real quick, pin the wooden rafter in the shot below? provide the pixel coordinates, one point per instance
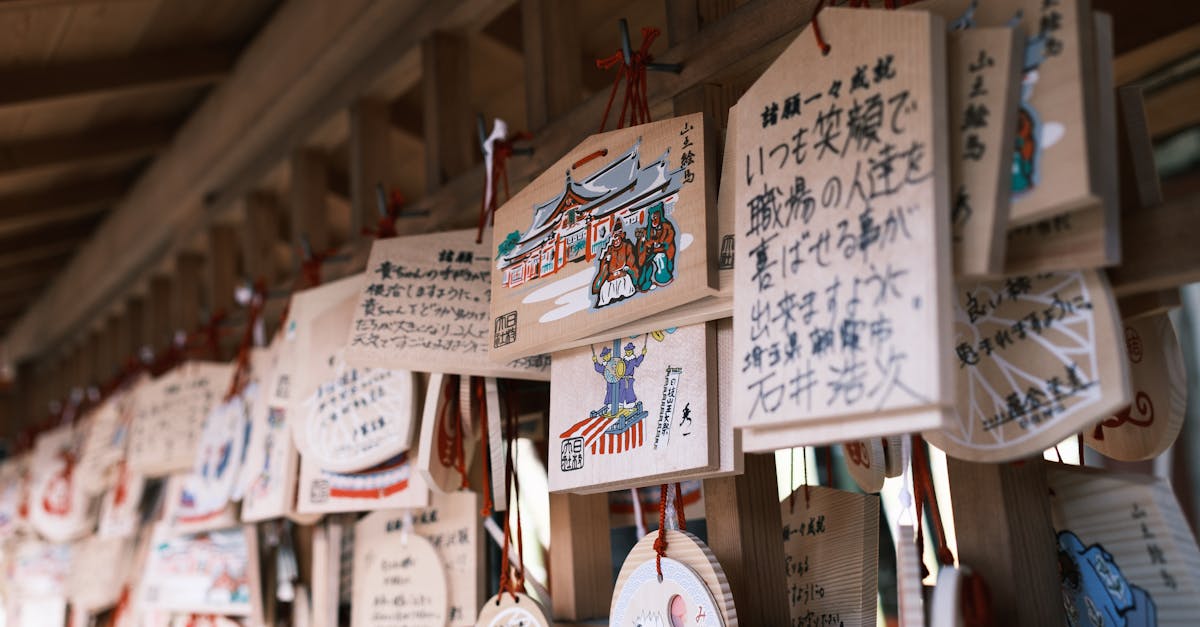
(162, 70)
(21, 213)
(128, 141)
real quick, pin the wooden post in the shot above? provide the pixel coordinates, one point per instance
(222, 267)
(309, 189)
(118, 339)
(552, 59)
(1002, 521)
(188, 266)
(161, 328)
(260, 232)
(581, 582)
(372, 162)
(139, 329)
(450, 144)
(97, 349)
(745, 532)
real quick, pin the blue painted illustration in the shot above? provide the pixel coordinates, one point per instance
(1095, 592)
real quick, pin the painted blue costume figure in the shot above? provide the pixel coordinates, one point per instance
(1095, 592)
(618, 371)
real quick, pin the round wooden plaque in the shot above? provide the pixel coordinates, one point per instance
(947, 608)
(865, 461)
(347, 424)
(1151, 422)
(399, 582)
(59, 510)
(893, 459)
(206, 491)
(502, 611)
(687, 551)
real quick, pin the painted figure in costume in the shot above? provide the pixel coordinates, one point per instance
(1094, 590)
(656, 251)
(57, 498)
(602, 365)
(618, 269)
(626, 396)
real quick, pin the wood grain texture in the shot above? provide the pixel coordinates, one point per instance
(581, 577)
(689, 550)
(1151, 422)
(985, 77)
(743, 534)
(1040, 359)
(1002, 522)
(865, 462)
(771, 395)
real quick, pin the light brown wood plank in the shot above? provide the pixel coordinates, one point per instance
(448, 121)
(130, 141)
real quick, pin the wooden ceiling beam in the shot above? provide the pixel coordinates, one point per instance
(21, 213)
(89, 79)
(130, 141)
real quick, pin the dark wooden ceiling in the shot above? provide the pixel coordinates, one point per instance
(91, 92)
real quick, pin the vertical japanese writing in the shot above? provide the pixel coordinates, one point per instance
(836, 209)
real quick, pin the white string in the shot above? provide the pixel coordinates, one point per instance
(906, 498)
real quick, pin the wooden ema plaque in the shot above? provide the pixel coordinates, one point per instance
(268, 480)
(445, 434)
(615, 231)
(203, 573)
(99, 569)
(424, 306)
(831, 556)
(1151, 422)
(170, 413)
(1087, 237)
(206, 491)
(452, 525)
(107, 433)
(119, 515)
(843, 297)
(59, 510)
(1039, 359)
(399, 578)
(1126, 554)
(984, 67)
(634, 411)
(12, 491)
(865, 462)
(348, 419)
(1053, 157)
(910, 592)
(503, 610)
(693, 590)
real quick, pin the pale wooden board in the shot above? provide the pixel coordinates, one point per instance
(835, 390)
(539, 313)
(59, 510)
(107, 435)
(436, 449)
(662, 592)
(388, 487)
(766, 439)
(892, 457)
(504, 611)
(1089, 237)
(722, 256)
(1098, 507)
(272, 465)
(865, 462)
(495, 444)
(169, 414)
(687, 549)
(326, 560)
(831, 556)
(206, 490)
(452, 524)
(176, 524)
(909, 591)
(946, 609)
(1152, 421)
(984, 86)
(397, 581)
(729, 440)
(89, 558)
(1060, 93)
(121, 519)
(671, 374)
(347, 419)
(424, 306)
(205, 574)
(1016, 393)
(12, 489)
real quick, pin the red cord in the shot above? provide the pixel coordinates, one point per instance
(241, 371)
(816, 28)
(479, 388)
(633, 71)
(660, 543)
(501, 151)
(512, 580)
(923, 484)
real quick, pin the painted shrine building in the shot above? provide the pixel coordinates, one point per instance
(576, 224)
